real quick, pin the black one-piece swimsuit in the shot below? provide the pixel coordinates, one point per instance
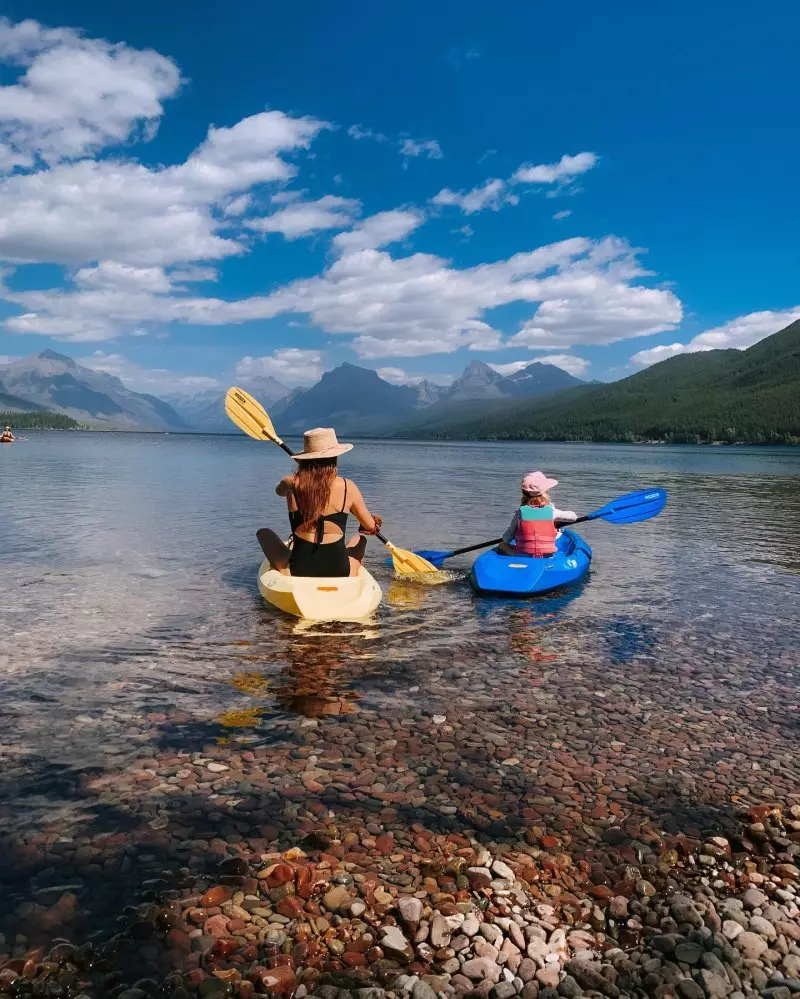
(313, 558)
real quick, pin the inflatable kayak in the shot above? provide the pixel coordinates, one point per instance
(522, 576)
(347, 598)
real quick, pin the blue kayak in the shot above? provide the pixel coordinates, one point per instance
(522, 576)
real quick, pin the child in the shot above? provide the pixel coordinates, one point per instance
(533, 527)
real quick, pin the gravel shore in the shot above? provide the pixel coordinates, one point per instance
(370, 914)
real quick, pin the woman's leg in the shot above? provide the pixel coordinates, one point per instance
(356, 549)
(274, 548)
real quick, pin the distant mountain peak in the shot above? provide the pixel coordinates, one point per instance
(53, 355)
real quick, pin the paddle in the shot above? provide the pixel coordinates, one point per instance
(250, 416)
(628, 509)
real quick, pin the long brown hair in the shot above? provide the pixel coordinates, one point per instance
(313, 483)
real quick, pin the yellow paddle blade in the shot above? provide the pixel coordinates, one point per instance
(407, 563)
(249, 415)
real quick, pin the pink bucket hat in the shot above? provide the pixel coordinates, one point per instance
(537, 482)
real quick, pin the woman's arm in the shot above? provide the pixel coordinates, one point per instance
(369, 524)
(286, 486)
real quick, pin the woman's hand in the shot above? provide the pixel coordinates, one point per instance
(378, 522)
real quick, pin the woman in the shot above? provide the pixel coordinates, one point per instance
(319, 501)
(7, 436)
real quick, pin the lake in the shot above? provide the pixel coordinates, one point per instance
(135, 648)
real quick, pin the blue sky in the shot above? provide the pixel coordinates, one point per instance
(405, 189)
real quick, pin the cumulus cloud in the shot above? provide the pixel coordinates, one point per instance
(511, 368)
(654, 354)
(359, 132)
(156, 381)
(492, 195)
(304, 218)
(76, 95)
(289, 365)
(495, 193)
(412, 148)
(739, 333)
(567, 168)
(404, 306)
(399, 376)
(576, 366)
(145, 216)
(379, 230)
(562, 215)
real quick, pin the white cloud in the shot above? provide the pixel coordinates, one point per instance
(429, 148)
(144, 216)
(489, 195)
(402, 306)
(739, 333)
(153, 380)
(566, 169)
(654, 354)
(76, 95)
(8, 358)
(289, 365)
(110, 274)
(562, 215)
(399, 376)
(358, 132)
(576, 366)
(379, 230)
(511, 368)
(238, 206)
(304, 218)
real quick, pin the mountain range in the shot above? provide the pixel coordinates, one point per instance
(720, 395)
(732, 396)
(353, 399)
(56, 383)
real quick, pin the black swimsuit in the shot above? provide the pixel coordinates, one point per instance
(315, 558)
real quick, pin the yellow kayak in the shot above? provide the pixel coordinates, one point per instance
(346, 598)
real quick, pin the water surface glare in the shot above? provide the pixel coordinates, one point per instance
(663, 688)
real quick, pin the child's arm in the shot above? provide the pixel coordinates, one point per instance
(564, 516)
(505, 545)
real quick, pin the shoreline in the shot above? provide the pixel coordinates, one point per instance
(372, 915)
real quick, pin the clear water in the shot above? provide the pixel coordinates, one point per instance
(128, 563)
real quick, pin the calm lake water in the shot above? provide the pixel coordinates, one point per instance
(128, 567)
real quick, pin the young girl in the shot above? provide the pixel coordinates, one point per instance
(533, 528)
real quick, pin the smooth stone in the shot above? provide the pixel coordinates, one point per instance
(751, 945)
(754, 898)
(689, 953)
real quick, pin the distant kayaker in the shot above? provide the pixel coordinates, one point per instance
(319, 500)
(7, 436)
(534, 527)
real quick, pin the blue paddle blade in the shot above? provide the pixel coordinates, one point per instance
(632, 507)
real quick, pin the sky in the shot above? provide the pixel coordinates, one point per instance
(196, 194)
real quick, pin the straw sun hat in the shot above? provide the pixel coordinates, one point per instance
(321, 443)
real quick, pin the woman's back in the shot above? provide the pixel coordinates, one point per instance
(333, 516)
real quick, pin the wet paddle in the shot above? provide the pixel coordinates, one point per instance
(250, 416)
(628, 509)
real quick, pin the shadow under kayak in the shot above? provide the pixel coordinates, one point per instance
(523, 576)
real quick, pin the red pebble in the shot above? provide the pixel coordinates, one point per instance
(291, 907)
(281, 874)
(225, 946)
(278, 981)
(354, 960)
(216, 896)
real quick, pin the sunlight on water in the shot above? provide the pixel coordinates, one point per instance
(128, 573)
